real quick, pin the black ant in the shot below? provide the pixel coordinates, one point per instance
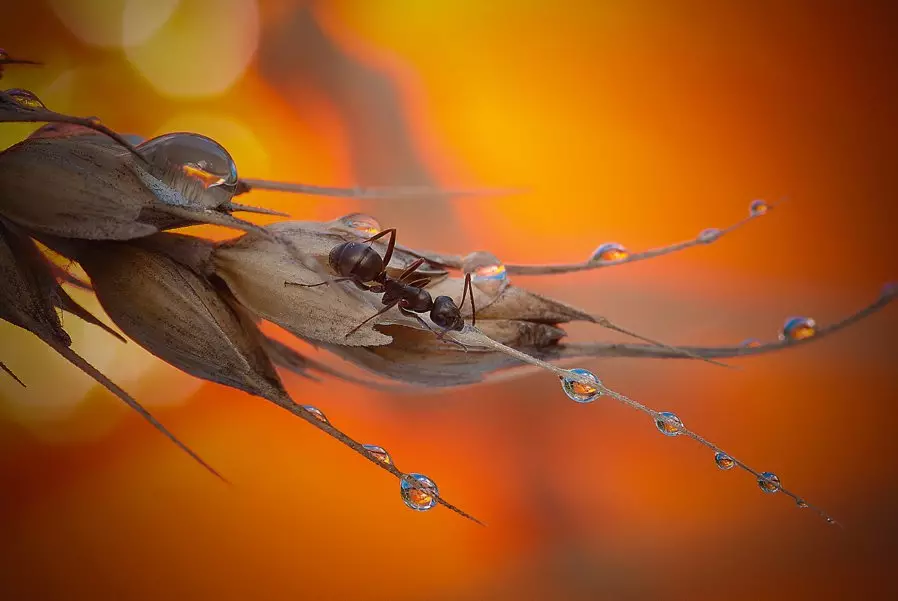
(360, 264)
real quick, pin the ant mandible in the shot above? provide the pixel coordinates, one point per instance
(360, 264)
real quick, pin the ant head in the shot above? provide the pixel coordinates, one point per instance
(445, 313)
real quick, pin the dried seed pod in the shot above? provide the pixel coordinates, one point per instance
(86, 188)
(255, 270)
(28, 287)
(176, 313)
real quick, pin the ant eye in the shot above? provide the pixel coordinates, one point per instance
(198, 157)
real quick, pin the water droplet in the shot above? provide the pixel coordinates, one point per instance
(3, 54)
(758, 207)
(830, 521)
(378, 453)
(199, 158)
(668, 423)
(366, 224)
(798, 328)
(316, 412)
(487, 272)
(750, 343)
(610, 251)
(801, 503)
(769, 482)
(724, 461)
(577, 391)
(890, 289)
(709, 235)
(26, 99)
(418, 492)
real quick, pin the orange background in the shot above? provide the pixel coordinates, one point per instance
(637, 122)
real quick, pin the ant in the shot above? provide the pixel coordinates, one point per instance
(360, 264)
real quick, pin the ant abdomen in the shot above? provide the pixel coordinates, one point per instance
(357, 260)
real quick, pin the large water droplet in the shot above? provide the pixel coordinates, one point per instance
(365, 224)
(378, 453)
(610, 251)
(418, 492)
(758, 207)
(769, 482)
(26, 99)
(577, 391)
(668, 423)
(488, 273)
(197, 157)
(318, 413)
(750, 343)
(798, 328)
(709, 235)
(724, 461)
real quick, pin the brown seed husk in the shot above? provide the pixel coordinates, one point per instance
(177, 314)
(86, 188)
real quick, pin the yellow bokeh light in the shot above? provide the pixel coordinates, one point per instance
(201, 50)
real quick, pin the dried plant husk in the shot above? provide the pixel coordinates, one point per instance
(175, 313)
(12, 111)
(30, 292)
(79, 186)
(256, 268)
(28, 287)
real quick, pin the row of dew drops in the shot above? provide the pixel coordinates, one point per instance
(420, 492)
(668, 424)
(417, 490)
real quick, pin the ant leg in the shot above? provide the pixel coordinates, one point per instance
(419, 283)
(318, 284)
(389, 254)
(469, 288)
(438, 334)
(409, 270)
(384, 310)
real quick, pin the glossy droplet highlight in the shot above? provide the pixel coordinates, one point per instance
(26, 99)
(801, 503)
(610, 251)
(709, 235)
(578, 391)
(668, 423)
(758, 207)
(798, 328)
(488, 273)
(724, 461)
(750, 343)
(365, 224)
(769, 482)
(318, 413)
(378, 453)
(418, 492)
(198, 157)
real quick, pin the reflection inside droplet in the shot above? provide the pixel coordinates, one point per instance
(610, 251)
(577, 391)
(418, 492)
(668, 423)
(365, 224)
(769, 482)
(798, 328)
